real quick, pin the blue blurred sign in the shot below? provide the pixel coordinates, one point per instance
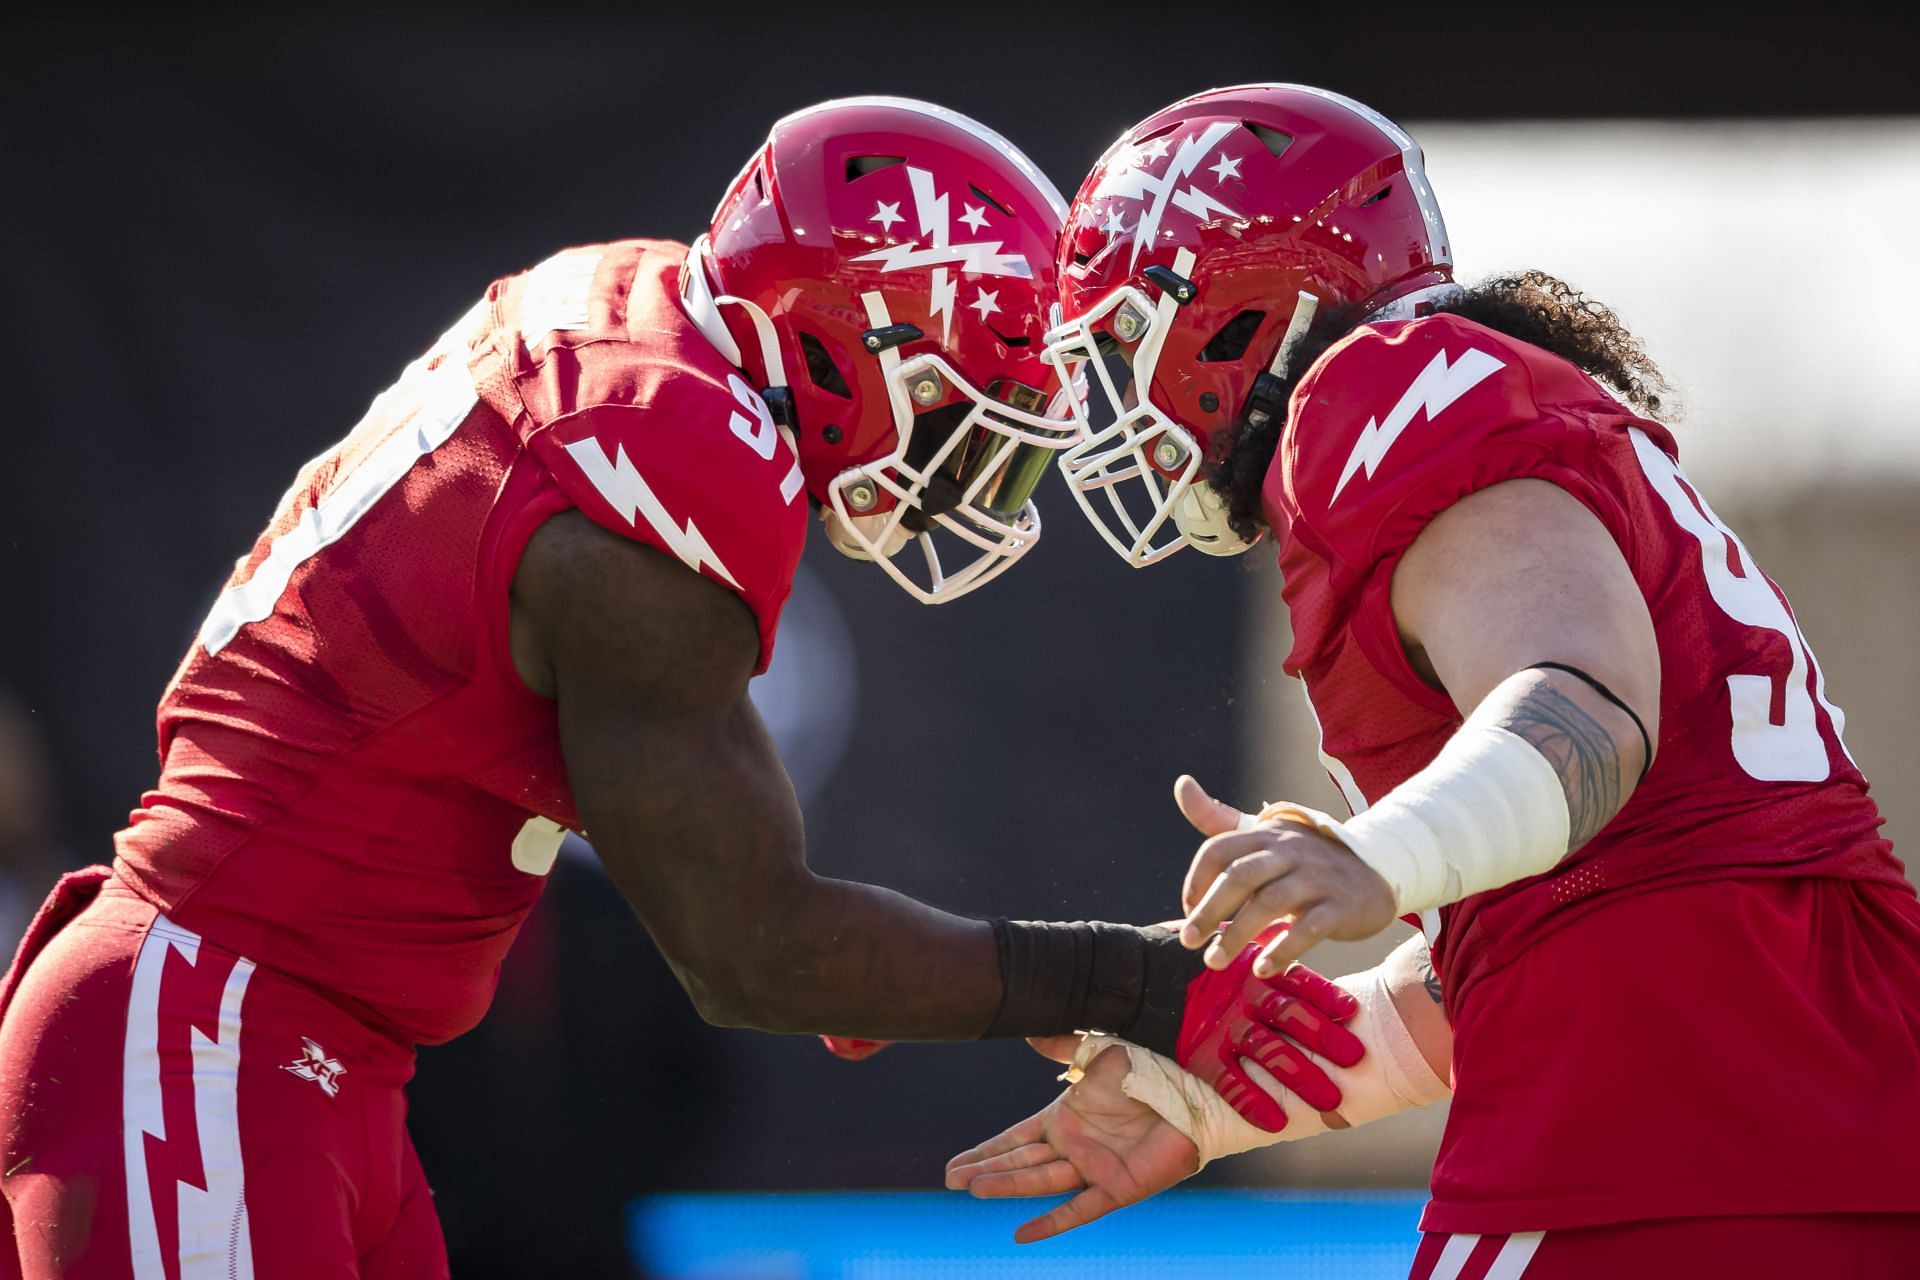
(1190, 1235)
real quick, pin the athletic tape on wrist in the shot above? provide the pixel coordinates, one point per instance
(1392, 1077)
(1489, 810)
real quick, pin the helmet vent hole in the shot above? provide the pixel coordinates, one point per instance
(759, 182)
(1081, 259)
(1272, 139)
(1378, 196)
(821, 369)
(1235, 336)
(861, 166)
(1010, 342)
(978, 193)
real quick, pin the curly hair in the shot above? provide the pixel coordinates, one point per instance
(1531, 306)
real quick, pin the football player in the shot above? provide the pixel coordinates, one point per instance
(1666, 959)
(525, 595)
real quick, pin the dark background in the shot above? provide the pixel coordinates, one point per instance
(222, 236)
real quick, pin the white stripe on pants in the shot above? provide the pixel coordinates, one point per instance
(213, 1234)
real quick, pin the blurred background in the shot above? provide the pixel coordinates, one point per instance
(223, 236)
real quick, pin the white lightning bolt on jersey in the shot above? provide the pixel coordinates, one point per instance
(1158, 192)
(932, 216)
(1433, 389)
(622, 486)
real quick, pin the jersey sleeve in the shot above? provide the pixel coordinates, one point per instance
(1400, 421)
(693, 469)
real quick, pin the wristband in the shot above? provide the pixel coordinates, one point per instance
(1060, 978)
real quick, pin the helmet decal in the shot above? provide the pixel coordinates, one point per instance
(931, 213)
(899, 258)
(1132, 181)
(1192, 263)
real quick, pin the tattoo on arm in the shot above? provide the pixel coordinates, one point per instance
(1580, 750)
(1428, 978)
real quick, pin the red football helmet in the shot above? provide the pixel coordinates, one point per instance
(1194, 258)
(884, 267)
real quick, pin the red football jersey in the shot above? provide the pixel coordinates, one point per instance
(356, 788)
(1751, 779)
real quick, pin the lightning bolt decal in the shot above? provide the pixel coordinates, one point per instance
(1433, 389)
(930, 211)
(984, 257)
(622, 486)
(1158, 192)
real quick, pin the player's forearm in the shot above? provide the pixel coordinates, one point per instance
(1417, 998)
(841, 958)
(861, 961)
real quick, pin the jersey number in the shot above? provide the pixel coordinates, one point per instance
(1784, 748)
(756, 427)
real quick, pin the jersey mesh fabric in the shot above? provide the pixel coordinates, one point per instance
(343, 779)
(1512, 412)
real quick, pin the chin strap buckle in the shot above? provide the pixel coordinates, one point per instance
(779, 402)
(1267, 399)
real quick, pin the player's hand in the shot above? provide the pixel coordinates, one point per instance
(851, 1048)
(1250, 875)
(1232, 1015)
(1056, 1048)
(1092, 1139)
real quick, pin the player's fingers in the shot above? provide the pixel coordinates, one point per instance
(1322, 992)
(1027, 1157)
(1288, 1064)
(1289, 1013)
(1311, 925)
(1210, 817)
(1238, 1089)
(1210, 861)
(1278, 890)
(1056, 1177)
(1028, 1130)
(1056, 1048)
(1227, 897)
(1094, 1202)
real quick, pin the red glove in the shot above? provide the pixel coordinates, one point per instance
(1230, 1015)
(852, 1049)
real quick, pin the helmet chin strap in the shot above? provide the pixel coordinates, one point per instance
(702, 306)
(1200, 512)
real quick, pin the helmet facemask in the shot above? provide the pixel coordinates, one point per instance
(962, 470)
(1135, 471)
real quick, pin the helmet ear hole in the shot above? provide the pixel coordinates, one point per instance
(821, 370)
(1233, 339)
(1378, 196)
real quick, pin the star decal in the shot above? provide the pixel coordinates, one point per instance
(985, 301)
(1115, 225)
(975, 217)
(886, 215)
(1154, 150)
(1225, 167)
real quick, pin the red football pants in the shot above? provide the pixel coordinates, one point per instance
(1863, 1246)
(171, 1111)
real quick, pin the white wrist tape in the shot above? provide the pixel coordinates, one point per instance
(1488, 811)
(1392, 1077)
